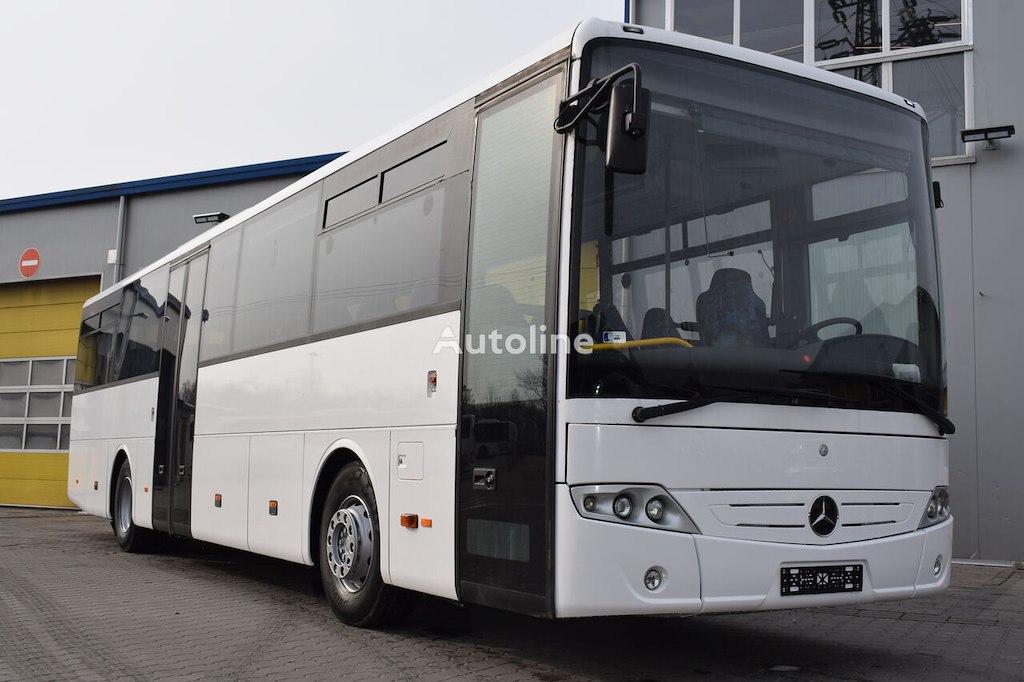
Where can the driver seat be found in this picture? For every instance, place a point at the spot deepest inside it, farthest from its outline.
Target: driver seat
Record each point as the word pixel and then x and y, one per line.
pixel 730 313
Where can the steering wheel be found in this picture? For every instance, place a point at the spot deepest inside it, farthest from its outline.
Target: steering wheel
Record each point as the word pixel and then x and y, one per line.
pixel 810 334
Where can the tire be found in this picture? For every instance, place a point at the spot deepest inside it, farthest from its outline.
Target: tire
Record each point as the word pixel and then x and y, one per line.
pixel 130 537
pixel 349 556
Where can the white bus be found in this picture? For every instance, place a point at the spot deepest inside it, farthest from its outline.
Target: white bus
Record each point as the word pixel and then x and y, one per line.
pixel 695 286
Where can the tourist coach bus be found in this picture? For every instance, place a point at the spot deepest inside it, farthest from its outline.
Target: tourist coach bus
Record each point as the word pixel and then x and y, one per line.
pixel 695 287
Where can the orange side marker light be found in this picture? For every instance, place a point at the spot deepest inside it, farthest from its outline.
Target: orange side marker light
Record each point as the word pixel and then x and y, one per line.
pixel 427 523
pixel 410 521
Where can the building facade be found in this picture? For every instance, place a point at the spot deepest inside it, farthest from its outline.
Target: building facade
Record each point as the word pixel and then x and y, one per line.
pixel 57 250
pixel 958 59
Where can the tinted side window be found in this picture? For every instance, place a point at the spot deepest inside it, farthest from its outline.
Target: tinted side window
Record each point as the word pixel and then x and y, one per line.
pixel 274 272
pixel 352 202
pixel 142 312
pixel 403 257
pixel 96 348
pixel 416 172
pixel 221 283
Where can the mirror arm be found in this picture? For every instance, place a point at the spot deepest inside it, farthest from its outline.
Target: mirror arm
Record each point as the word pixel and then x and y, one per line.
pixel 636 122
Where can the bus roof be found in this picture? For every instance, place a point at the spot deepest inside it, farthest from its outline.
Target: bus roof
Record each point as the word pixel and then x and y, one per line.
pixel 577 38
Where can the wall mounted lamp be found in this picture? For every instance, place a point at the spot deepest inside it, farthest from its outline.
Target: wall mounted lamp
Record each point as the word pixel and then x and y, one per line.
pixel 203 218
pixel 990 136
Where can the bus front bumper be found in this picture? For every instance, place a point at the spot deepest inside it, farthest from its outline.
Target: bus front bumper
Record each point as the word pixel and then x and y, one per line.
pixel 600 569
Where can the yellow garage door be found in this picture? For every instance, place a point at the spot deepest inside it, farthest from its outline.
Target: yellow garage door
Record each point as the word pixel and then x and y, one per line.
pixel 38 342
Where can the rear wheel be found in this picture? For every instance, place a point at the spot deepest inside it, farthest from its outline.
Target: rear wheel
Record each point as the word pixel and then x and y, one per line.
pixel 130 537
pixel 349 555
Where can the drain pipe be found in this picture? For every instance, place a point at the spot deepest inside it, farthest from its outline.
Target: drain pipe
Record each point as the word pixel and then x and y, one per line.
pixel 122 224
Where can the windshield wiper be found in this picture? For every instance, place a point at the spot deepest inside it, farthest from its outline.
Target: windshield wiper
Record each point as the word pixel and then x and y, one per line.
pixel 892 386
pixel 642 414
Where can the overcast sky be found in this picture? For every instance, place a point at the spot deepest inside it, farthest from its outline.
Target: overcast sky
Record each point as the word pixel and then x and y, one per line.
pixel 102 91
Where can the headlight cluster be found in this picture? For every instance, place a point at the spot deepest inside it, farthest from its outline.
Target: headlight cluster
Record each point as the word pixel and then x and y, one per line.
pixel 635 505
pixel 937 509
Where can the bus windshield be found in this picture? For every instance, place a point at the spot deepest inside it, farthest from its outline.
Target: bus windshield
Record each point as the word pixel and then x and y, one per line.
pixel 779 247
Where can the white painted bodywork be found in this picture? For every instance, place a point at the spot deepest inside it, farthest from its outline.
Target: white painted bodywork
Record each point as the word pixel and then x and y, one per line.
pixel 115 419
pixel 266 425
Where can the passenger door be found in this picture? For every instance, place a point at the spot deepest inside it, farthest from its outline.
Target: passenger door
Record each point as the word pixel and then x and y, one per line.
pixel 176 411
pixel 505 483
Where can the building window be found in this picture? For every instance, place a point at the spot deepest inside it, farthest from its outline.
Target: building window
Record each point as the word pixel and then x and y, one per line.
pixel 915 48
pixel 35 403
pixel 937 84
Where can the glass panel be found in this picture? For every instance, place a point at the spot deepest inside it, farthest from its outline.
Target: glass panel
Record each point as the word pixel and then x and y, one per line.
pixel 937 84
pixel 415 172
pixel 69 374
pixel 44 404
pixel 650 13
pixel 274 275
pixel 386 263
pixel 10 436
pixel 12 405
pixel 47 372
pixel 858 192
pixel 66 410
pixel 142 312
pixel 222 281
pixel 41 437
pixel 769 204
pixel 14 373
pixel 844 28
pixel 924 22
pixel 352 202
pixel 505 381
pixel 866 73
pixel 884 301
pixel 65 437
pixel 776 27
pixel 705 18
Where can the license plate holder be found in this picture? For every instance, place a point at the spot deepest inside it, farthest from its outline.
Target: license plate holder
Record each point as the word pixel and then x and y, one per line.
pixel 838 578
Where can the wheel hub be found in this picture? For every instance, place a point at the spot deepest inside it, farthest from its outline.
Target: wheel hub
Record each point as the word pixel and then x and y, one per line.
pixel 350 544
pixel 124 506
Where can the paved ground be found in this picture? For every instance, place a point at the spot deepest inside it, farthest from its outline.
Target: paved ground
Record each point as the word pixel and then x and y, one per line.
pixel 72 606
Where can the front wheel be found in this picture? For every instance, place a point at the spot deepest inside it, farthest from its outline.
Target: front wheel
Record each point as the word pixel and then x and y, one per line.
pixel 130 537
pixel 349 554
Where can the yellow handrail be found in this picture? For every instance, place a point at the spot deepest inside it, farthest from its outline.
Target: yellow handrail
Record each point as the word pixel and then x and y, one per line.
pixel 640 343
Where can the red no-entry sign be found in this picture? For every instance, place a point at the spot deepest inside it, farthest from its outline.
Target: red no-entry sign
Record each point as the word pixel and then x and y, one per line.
pixel 29 263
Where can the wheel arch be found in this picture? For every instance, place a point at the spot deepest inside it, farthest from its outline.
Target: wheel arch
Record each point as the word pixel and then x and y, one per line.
pixel 338 455
pixel 120 456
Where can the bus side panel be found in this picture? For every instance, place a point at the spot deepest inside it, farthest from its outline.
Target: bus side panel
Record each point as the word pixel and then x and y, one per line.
pixel 423 483
pixel 88 478
pixel 275 495
pixel 220 468
pixel 106 420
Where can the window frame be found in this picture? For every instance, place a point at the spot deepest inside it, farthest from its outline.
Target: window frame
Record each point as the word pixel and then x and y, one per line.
pixel 62 421
pixel 884 57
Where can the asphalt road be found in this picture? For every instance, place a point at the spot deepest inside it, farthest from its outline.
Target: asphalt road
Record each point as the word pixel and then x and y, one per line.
pixel 74 607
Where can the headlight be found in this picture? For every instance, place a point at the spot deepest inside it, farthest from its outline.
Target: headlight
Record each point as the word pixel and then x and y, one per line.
pixel 622 504
pixel 937 509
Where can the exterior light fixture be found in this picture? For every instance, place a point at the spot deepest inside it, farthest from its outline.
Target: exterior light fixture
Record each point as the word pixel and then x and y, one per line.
pixel 990 136
pixel 203 218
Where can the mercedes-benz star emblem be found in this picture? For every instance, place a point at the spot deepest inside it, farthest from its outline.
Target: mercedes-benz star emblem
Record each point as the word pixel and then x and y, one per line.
pixel 824 515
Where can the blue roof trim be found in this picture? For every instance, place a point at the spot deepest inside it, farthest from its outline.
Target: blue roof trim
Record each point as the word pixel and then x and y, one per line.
pixel 222 176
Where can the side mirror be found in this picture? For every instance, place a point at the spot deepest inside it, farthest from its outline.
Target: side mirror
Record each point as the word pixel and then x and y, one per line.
pixel 628 114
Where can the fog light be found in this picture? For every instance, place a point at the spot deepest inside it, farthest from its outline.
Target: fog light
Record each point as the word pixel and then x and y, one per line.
pixel 655 509
pixel 623 506
pixel 652 579
pixel 937 568
pixel 590 503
